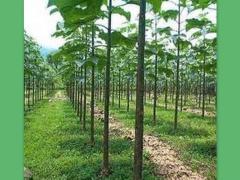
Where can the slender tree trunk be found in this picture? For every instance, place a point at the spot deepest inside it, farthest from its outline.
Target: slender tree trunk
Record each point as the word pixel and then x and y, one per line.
pixel 155 78
pixel 209 97
pixel 92 89
pixel 41 89
pixel 81 97
pixel 107 90
pixel 76 89
pixel 173 91
pixel 78 99
pixel 85 98
pixel 85 87
pixel 181 105
pixel 113 93
pixel 138 147
pixel 119 89
pixel 204 84
pixel 166 93
pixel 196 92
pixel 38 87
pixel 185 93
pixel 128 93
pixel 29 91
pixel 100 91
pixel 177 73
pixel 200 87
pixel 72 90
pixel 131 91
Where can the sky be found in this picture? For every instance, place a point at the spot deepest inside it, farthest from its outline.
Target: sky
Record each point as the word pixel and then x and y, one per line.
pixel 39 24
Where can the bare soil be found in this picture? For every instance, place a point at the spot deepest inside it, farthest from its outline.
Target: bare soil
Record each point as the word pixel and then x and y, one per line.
pixel 165 159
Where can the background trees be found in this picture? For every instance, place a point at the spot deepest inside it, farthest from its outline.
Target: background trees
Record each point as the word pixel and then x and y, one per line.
pixel 39 76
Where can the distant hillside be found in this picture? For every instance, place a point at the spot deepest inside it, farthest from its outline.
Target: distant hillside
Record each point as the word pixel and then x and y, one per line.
pixel 45 51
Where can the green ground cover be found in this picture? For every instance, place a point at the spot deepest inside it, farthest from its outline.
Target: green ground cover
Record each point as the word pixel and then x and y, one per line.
pixel 195 139
pixel 55 146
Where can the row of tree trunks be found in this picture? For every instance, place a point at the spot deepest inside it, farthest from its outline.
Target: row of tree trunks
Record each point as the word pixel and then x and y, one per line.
pixel 35 89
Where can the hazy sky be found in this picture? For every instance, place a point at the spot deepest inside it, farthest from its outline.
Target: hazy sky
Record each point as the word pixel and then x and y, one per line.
pixel 39 24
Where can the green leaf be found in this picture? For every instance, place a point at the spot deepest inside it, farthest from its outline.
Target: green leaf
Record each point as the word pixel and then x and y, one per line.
pixel 136 2
pixel 166 30
pixel 119 39
pixel 77 11
pixel 156 5
pixel 122 12
pixel 54 10
pixel 169 14
pixel 196 23
pixel 202 3
pixel 183 3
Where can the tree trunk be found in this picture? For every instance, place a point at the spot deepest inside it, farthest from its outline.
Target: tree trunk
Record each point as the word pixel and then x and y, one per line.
pixel 92 89
pixel 78 100
pixel 166 94
pixel 131 91
pixel 85 87
pixel 200 87
pixel 100 91
pixel 138 147
pixel 177 73
pixel 155 78
pixel 119 89
pixel 85 98
pixel 76 88
pixel 128 93
pixel 81 97
pixel 204 84
pixel 29 91
pixel 107 90
pixel 181 97
pixel 113 93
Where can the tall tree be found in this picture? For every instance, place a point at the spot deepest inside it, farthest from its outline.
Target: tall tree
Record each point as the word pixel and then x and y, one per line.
pixel 92 87
pixel 177 71
pixel 155 76
pixel 138 148
pixel 107 94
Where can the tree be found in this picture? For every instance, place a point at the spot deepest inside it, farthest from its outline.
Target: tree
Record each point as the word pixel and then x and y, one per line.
pixel 138 148
pixel 107 93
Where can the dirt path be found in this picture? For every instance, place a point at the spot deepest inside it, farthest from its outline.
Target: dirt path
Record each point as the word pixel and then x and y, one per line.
pixel 59 95
pixel 165 159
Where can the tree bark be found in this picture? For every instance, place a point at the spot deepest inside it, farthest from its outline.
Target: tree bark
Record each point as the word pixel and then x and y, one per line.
pixel 155 78
pixel 119 89
pixel 113 93
pixel 138 147
pixel 85 98
pixel 107 94
pixel 204 84
pixel 177 73
pixel 128 93
pixel 92 89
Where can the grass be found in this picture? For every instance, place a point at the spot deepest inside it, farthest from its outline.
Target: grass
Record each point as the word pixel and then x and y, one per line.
pixel 195 139
pixel 55 146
